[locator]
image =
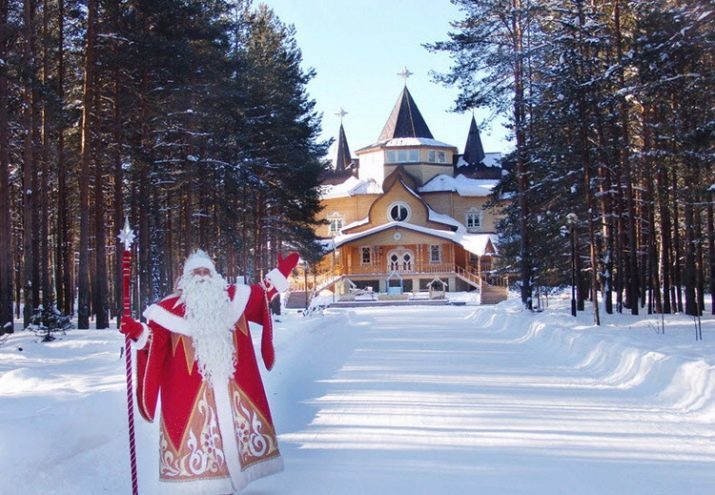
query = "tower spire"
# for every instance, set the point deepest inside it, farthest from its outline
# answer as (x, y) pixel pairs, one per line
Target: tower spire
(343, 158)
(473, 149)
(405, 120)
(405, 74)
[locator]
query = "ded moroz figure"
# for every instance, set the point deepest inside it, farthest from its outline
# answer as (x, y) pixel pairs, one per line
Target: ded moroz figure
(216, 434)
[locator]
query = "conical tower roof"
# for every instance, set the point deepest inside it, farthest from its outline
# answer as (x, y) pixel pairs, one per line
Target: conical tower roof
(405, 120)
(343, 158)
(473, 149)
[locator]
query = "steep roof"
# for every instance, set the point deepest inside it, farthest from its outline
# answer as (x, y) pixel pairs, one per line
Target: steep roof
(405, 120)
(352, 186)
(464, 186)
(343, 159)
(473, 149)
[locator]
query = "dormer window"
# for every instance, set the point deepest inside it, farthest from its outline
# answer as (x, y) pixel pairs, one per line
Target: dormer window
(336, 223)
(434, 156)
(403, 156)
(473, 219)
(398, 212)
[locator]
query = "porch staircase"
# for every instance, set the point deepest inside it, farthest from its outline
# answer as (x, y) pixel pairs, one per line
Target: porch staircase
(490, 294)
(469, 276)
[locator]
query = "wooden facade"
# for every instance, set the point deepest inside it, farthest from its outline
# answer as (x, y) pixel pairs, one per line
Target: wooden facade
(405, 218)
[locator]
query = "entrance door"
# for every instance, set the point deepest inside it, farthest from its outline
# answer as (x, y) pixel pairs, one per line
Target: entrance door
(400, 260)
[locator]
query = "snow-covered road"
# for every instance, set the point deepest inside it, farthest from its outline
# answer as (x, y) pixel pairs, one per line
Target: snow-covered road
(463, 400)
(416, 400)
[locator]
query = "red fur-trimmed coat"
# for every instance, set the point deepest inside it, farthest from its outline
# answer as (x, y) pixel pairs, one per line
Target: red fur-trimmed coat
(211, 440)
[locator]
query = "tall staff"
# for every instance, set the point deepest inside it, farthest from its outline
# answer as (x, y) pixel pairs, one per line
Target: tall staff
(126, 236)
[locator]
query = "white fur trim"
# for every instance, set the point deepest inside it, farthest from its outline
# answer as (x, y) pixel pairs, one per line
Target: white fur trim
(198, 259)
(276, 278)
(178, 324)
(240, 300)
(239, 477)
(261, 470)
(143, 338)
(215, 485)
(167, 319)
(224, 415)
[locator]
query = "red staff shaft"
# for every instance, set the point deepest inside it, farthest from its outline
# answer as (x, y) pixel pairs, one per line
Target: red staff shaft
(126, 275)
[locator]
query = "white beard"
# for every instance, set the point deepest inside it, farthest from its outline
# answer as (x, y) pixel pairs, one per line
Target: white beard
(207, 312)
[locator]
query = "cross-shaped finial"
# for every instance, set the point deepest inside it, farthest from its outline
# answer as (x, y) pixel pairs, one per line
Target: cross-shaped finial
(404, 74)
(341, 113)
(126, 235)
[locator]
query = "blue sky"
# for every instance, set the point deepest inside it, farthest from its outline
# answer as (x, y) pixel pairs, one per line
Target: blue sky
(357, 48)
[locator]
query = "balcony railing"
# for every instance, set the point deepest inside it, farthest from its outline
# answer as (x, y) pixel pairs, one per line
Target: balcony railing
(411, 269)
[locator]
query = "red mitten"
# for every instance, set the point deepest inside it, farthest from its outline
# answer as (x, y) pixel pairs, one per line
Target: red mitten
(286, 265)
(131, 328)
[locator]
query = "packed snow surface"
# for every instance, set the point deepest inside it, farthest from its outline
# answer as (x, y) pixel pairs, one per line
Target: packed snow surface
(416, 400)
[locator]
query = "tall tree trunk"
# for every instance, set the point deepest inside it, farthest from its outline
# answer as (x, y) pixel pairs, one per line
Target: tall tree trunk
(691, 305)
(29, 173)
(65, 257)
(586, 160)
(519, 112)
(85, 156)
(607, 216)
(44, 261)
(665, 233)
(711, 247)
(678, 247)
(626, 165)
(99, 287)
(118, 172)
(699, 259)
(653, 281)
(6, 248)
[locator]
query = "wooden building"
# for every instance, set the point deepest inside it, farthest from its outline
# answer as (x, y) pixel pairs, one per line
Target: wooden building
(408, 214)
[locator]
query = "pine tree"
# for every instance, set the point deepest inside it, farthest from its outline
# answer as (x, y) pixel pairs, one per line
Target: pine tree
(489, 48)
(6, 317)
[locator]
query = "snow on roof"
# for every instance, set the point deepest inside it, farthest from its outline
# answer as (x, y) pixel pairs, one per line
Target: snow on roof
(351, 187)
(356, 223)
(461, 185)
(489, 160)
(446, 219)
(474, 243)
(492, 159)
(408, 141)
(415, 141)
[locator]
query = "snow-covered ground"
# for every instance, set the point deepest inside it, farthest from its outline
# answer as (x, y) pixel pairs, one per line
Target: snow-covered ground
(416, 400)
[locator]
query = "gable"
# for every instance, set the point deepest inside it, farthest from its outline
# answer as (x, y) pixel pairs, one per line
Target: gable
(397, 199)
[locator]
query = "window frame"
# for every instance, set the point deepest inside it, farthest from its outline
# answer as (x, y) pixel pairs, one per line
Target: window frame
(368, 250)
(432, 251)
(401, 204)
(335, 219)
(473, 213)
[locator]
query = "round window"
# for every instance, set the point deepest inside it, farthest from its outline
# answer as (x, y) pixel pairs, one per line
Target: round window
(399, 212)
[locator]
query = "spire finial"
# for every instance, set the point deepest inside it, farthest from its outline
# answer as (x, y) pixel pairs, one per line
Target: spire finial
(341, 113)
(404, 74)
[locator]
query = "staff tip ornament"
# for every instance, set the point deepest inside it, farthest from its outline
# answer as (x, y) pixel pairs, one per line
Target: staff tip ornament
(126, 235)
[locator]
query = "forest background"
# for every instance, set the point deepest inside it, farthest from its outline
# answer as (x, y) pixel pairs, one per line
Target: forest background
(192, 119)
